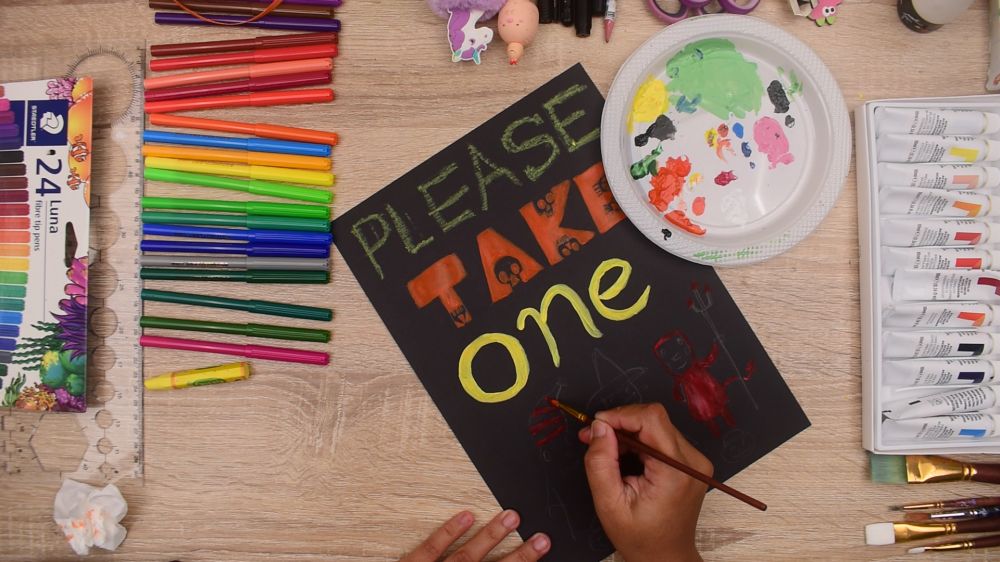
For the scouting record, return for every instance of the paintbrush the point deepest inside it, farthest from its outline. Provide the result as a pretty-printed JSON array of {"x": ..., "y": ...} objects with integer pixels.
[
  {"x": 971, "y": 513},
  {"x": 980, "y": 542},
  {"x": 640, "y": 447},
  {"x": 914, "y": 469},
  {"x": 986, "y": 501},
  {"x": 891, "y": 533}
]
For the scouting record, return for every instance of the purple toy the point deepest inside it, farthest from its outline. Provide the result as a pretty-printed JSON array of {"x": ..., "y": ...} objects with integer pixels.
[{"x": 465, "y": 39}]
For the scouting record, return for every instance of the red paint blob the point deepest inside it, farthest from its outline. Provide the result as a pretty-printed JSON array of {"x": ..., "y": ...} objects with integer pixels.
[
  {"x": 698, "y": 206},
  {"x": 723, "y": 130},
  {"x": 724, "y": 178}
]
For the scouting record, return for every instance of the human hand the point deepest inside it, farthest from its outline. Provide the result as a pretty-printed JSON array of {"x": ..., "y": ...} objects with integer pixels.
[
  {"x": 652, "y": 516},
  {"x": 481, "y": 543}
]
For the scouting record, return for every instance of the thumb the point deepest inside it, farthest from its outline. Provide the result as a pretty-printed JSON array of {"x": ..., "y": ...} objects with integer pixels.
[{"x": 601, "y": 463}]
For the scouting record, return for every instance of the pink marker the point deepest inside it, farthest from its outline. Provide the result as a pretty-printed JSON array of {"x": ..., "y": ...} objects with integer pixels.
[
  {"x": 4, "y": 104},
  {"x": 251, "y": 351}
]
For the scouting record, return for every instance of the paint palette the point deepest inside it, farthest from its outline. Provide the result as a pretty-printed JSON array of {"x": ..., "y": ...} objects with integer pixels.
[{"x": 725, "y": 140}]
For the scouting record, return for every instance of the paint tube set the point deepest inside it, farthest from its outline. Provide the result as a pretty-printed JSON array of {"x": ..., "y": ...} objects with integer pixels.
[{"x": 929, "y": 228}]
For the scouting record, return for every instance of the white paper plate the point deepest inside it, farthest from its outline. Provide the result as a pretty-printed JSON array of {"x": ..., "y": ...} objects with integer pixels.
[{"x": 788, "y": 166}]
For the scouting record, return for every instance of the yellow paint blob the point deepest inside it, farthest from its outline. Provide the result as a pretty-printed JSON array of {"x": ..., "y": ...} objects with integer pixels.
[
  {"x": 650, "y": 102},
  {"x": 695, "y": 179}
]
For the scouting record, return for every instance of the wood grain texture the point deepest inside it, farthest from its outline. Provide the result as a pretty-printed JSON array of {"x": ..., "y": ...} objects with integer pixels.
[{"x": 354, "y": 462}]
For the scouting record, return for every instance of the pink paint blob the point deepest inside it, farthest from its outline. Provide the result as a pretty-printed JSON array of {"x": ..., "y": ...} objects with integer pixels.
[
  {"x": 724, "y": 178},
  {"x": 698, "y": 206},
  {"x": 771, "y": 140}
]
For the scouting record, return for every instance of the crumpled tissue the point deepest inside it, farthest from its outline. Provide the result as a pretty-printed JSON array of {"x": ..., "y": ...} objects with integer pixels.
[{"x": 89, "y": 516}]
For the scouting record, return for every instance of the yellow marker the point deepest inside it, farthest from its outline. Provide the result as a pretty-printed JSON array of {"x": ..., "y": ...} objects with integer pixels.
[
  {"x": 238, "y": 157},
  {"x": 269, "y": 173},
  {"x": 229, "y": 372},
  {"x": 13, "y": 264}
]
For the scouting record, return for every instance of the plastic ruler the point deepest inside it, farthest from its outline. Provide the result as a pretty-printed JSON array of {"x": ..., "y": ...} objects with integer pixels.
[{"x": 105, "y": 443}]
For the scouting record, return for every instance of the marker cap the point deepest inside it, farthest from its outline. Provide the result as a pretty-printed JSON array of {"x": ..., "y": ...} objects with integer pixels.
[
  {"x": 992, "y": 177},
  {"x": 992, "y": 150},
  {"x": 992, "y": 123}
]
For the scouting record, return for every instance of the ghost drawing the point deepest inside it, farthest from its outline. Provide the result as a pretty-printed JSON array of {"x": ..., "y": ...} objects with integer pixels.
[{"x": 771, "y": 140}]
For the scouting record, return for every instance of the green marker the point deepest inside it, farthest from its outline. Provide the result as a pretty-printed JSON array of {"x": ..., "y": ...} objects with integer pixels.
[
  {"x": 270, "y": 308},
  {"x": 13, "y": 278},
  {"x": 12, "y": 305},
  {"x": 12, "y": 291},
  {"x": 250, "y": 329},
  {"x": 247, "y": 275},
  {"x": 245, "y": 221},
  {"x": 255, "y": 187},
  {"x": 295, "y": 210}
]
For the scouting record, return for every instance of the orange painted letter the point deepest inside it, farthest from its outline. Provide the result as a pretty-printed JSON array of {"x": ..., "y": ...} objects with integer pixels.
[
  {"x": 596, "y": 194},
  {"x": 437, "y": 282},
  {"x": 504, "y": 264},
  {"x": 544, "y": 216}
]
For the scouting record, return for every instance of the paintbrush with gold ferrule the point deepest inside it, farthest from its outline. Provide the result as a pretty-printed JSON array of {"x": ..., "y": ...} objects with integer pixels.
[
  {"x": 918, "y": 469},
  {"x": 979, "y": 542},
  {"x": 985, "y": 501},
  {"x": 891, "y": 533}
]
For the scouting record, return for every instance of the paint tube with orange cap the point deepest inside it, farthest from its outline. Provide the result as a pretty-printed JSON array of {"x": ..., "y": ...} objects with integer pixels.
[{"x": 937, "y": 203}]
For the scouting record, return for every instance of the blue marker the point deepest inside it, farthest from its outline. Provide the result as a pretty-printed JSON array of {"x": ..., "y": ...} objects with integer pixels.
[
  {"x": 8, "y": 344},
  {"x": 294, "y": 237},
  {"x": 251, "y": 249},
  {"x": 11, "y": 317},
  {"x": 9, "y": 330},
  {"x": 255, "y": 144}
]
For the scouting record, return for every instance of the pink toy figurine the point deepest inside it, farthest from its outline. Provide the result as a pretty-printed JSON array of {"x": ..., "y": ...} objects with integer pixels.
[
  {"x": 465, "y": 39},
  {"x": 823, "y": 12},
  {"x": 518, "y": 26}
]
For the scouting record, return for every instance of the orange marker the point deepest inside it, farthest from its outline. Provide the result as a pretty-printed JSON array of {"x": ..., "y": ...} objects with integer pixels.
[
  {"x": 285, "y": 97},
  {"x": 251, "y": 71},
  {"x": 14, "y": 236},
  {"x": 255, "y": 129},
  {"x": 14, "y": 250},
  {"x": 237, "y": 156}
]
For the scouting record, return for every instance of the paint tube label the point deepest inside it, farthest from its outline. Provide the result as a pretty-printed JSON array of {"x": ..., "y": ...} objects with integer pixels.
[
  {"x": 914, "y": 345},
  {"x": 909, "y": 233},
  {"x": 933, "y": 285},
  {"x": 959, "y": 401},
  {"x": 893, "y": 147},
  {"x": 938, "y": 176},
  {"x": 917, "y": 121},
  {"x": 934, "y": 203},
  {"x": 941, "y": 428},
  {"x": 938, "y": 372},
  {"x": 894, "y": 259},
  {"x": 967, "y": 315}
]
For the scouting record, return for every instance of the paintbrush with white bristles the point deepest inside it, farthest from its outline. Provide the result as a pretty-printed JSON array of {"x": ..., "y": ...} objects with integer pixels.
[{"x": 891, "y": 533}]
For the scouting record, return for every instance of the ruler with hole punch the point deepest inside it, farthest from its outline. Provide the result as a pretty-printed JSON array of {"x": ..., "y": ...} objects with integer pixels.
[{"x": 105, "y": 443}]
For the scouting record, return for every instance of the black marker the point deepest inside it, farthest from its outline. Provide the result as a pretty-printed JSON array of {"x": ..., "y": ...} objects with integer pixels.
[
  {"x": 546, "y": 11},
  {"x": 598, "y": 7},
  {"x": 565, "y": 10},
  {"x": 581, "y": 17}
]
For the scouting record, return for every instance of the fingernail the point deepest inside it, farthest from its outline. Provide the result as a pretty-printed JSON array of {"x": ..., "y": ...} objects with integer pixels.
[
  {"x": 599, "y": 429},
  {"x": 465, "y": 518},
  {"x": 509, "y": 519},
  {"x": 540, "y": 543}
]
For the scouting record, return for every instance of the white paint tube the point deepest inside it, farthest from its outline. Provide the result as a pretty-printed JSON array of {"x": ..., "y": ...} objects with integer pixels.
[
  {"x": 935, "y": 285},
  {"x": 960, "y": 427},
  {"x": 918, "y": 121},
  {"x": 908, "y": 233},
  {"x": 993, "y": 73},
  {"x": 972, "y": 399},
  {"x": 916, "y": 345},
  {"x": 963, "y": 315},
  {"x": 893, "y": 147},
  {"x": 939, "y": 372},
  {"x": 938, "y": 176},
  {"x": 967, "y": 257},
  {"x": 936, "y": 203}
]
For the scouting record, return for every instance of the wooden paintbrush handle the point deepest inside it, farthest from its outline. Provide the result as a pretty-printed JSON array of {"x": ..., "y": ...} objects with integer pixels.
[
  {"x": 986, "y": 542},
  {"x": 640, "y": 447},
  {"x": 978, "y": 525},
  {"x": 987, "y": 473}
]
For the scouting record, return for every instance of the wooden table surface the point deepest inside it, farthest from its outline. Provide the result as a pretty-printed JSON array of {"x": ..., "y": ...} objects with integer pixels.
[{"x": 354, "y": 462}]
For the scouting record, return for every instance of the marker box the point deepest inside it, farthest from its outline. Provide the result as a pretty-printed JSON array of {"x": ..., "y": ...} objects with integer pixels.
[{"x": 917, "y": 210}]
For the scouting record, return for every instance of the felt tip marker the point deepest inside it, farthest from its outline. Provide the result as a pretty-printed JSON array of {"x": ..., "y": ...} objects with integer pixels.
[
  {"x": 228, "y": 45},
  {"x": 253, "y": 172},
  {"x": 250, "y": 208},
  {"x": 269, "y": 308},
  {"x": 251, "y": 351},
  {"x": 251, "y": 249},
  {"x": 290, "y": 237},
  {"x": 250, "y": 329},
  {"x": 258, "y": 56},
  {"x": 237, "y": 156},
  {"x": 250, "y": 71},
  {"x": 242, "y": 86},
  {"x": 255, "y": 187},
  {"x": 252, "y": 222},
  {"x": 238, "y": 262},
  {"x": 229, "y": 372},
  {"x": 232, "y": 275},
  {"x": 252, "y": 99},
  {"x": 236, "y": 7},
  {"x": 270, "y": 22},
  {"x": 256, "y": 129},
  {"x": 253, "y": 144}
]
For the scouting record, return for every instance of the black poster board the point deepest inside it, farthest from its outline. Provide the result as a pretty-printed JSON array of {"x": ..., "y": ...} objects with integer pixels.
[{"x": 506, "y": 273}]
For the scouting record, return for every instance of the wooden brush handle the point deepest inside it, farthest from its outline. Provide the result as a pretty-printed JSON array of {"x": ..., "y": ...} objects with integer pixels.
[
  {"x": 987, "y": 473},
  {"x": 978, "y": 525},
  {"x": 986, "y": 542}
]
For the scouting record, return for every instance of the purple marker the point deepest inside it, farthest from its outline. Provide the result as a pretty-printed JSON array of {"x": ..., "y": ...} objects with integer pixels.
[
  {"x": 10, "y": 130},
  {"x": 10, "y": 143},
  {"x": 329, "y": 3},
  {"x": 267, "y": 22}
]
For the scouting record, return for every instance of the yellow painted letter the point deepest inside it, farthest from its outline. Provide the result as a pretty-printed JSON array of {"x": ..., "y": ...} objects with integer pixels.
[
  {"x": 541, "y": 317},
  {"x": 597, "y": 297},
  {"x": 517, "y": 355}
]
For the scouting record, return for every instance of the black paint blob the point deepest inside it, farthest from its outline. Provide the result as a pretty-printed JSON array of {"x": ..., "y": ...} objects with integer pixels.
[
  {"x": 776, "y": 92},
  {"x": 662, "y": 129}
]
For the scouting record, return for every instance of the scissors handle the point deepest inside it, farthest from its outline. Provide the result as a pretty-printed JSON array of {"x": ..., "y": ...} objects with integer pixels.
[{"x": 742, "y": 8}]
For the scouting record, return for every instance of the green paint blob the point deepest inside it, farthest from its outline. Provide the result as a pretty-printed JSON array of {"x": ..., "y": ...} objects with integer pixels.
[{"x": 713, "y": 71}]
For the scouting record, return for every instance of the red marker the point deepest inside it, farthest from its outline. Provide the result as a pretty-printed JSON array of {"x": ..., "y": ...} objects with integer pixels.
[
  {"x": 284, "y": 97},
  {"x": 255, "y": 56},
  {"x": 267, "y": 42},
  {"x": 241, "y": 86}
]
